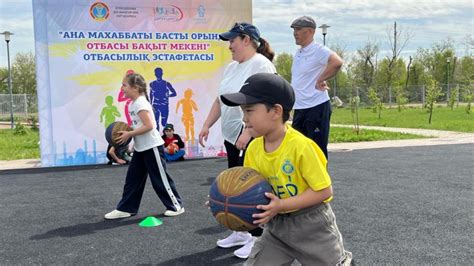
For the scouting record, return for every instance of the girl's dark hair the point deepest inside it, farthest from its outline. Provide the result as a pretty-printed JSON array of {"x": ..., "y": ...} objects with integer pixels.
[
  {"x": 265, "y": 49},
  {"x": 137, "y": 80},
  {"x": 262, "y": 47}
]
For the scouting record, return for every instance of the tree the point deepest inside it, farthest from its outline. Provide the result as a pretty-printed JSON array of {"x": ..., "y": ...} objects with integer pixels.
[
  {"x": 283, "y": 64},
  {"x": 435, "y": 59},
  {"x": 24, "y": 73},
  {"x": 397, "y": 39},
  {"x": 400, "y": 97},
  {"x": 340, "y": 84},
  {"x": 367, "y": 55},
  {"x": 385, "y": 79},
  {"x": 3, "y": 80},
  {"x": 416, "y": 79},
  {"x": 354, "y": 100},
  {"x": 375, "y": 99},
  {"x": 401, "y": 93},
  {"x": 452, "y": 97},
  {"x": 433, "y": 93},
  {"x": 464, "y": 73},
  {"x": 400, "y": 89},
  {"x": 364, "y": 66},
  {"x": 468, "y": 98}
]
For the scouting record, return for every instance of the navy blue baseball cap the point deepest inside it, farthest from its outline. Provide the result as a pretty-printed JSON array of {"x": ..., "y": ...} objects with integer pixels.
[
  {"x": 263, "y": 88},
  {"x": 241, "y": 28}
]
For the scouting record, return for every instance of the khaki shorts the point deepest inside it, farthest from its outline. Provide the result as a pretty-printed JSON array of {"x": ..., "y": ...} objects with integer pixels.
[{"x": 309, "y": 235}]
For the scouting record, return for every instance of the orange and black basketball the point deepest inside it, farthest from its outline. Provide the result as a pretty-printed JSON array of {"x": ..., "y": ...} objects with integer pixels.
[
  {"x": 111, "y": 133},
  {"x": 234, "y": 196},
  {"x": 172, "y": 148}
]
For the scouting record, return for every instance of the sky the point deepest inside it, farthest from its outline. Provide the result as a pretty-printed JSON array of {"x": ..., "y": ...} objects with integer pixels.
[{"x": 353, "y": 23}]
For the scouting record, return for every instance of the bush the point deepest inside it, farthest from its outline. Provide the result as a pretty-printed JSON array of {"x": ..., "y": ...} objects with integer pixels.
[{"x": 20, "y": 129}]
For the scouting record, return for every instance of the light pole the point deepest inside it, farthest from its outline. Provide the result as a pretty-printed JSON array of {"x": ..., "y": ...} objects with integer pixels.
[
  {"x": 324, "y": 29},
  {"x": 448, "y": 60},
  {"x": 7, "y": 40}
]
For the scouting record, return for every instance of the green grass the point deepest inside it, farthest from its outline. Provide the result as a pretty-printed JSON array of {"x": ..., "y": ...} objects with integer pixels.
[
  {"x": 26, "y": 146},
  {"x": 342, "y": 134},
  {"x": 16, "y": 147},
  {"x": 443, "y": 118}
]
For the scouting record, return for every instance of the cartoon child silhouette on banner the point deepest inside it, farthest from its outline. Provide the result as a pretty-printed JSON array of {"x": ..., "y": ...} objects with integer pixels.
[
  {"x": 109, "y": 112},
  {"x": 122, "y": 98},
  {"x": 188, "y": 118},
  {"x": 160, "y": 91}
]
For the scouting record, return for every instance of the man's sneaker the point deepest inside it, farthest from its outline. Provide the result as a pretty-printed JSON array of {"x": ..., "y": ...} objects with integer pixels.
[
  {"x": 116, "y": 214},
  {"x": 174, "y": 213},
  {"x": 235, "y": 239},
  {"x": 244, "y": 251}
]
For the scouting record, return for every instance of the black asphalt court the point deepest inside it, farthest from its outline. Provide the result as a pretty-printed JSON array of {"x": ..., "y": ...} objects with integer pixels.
[{"x": 405, "y": 206}]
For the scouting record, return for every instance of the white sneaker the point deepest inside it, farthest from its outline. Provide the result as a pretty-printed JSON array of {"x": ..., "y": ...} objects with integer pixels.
[
  {"x": 116, "y": 214},
  {"x": 244, "y": 251},
  {"x": 235, "y": 239},
  {"x": 174, "y": 213}
]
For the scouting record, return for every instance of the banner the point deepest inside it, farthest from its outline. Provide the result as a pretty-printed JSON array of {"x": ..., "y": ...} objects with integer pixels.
[{"x": 85, "y": 48}]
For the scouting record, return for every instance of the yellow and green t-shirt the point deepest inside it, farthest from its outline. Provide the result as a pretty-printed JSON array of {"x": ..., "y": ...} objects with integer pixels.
[{"x": 297, "y": 164}]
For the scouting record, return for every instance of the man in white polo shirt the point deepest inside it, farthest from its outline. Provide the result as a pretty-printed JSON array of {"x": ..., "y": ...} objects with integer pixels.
[{"x": 313, "y": 64}]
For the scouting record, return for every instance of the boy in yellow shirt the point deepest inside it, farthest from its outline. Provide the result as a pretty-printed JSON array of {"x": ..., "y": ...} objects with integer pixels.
[{"x": 299, "y": 221}]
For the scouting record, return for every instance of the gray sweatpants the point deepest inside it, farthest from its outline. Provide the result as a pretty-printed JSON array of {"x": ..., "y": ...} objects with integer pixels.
[{"x": 309, "y": 235}]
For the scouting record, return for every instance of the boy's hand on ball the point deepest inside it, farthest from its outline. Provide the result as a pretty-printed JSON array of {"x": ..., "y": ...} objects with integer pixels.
[{"x": 269, "y": 211}]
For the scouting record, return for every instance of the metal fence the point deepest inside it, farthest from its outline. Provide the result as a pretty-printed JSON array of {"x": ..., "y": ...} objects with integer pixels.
[
  {"x": 24, "y": 105},
  {"x": 412, "y": 94}
]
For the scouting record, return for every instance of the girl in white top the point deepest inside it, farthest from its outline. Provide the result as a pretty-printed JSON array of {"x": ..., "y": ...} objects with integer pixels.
[
  {"x": 147, "y": 158},
  {"x": 251, "y": 54}
]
